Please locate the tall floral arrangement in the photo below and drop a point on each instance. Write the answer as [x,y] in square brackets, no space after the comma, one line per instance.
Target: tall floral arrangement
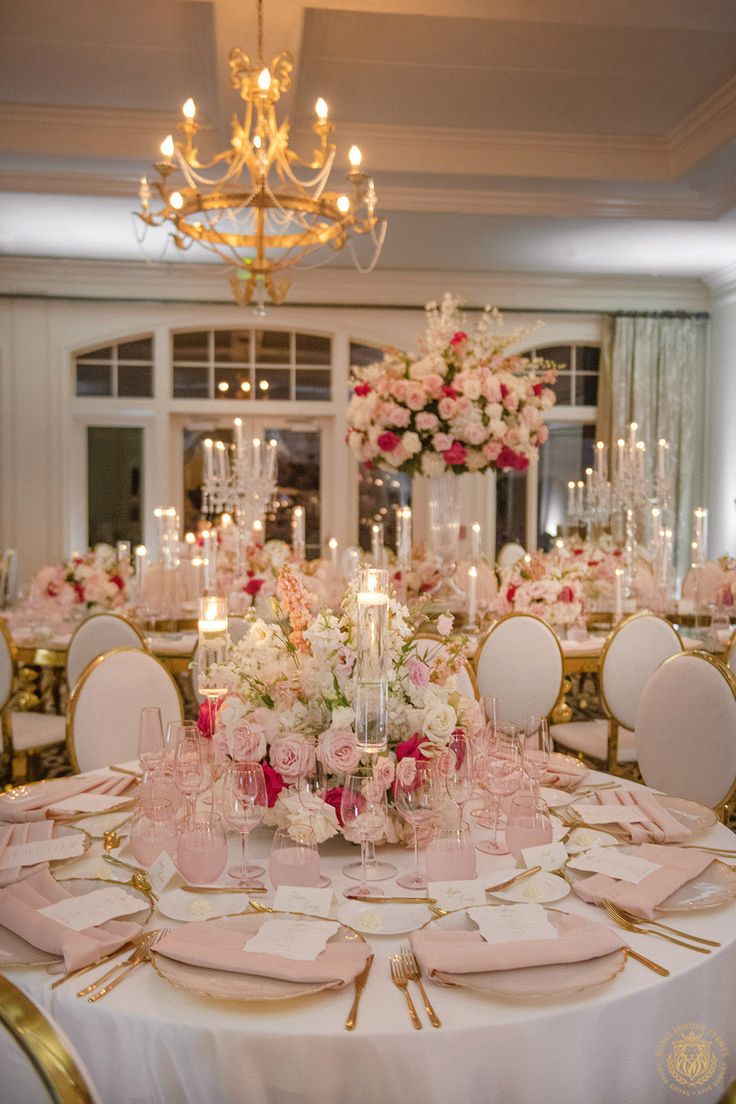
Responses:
[94,580]
[462,404]
[291,696]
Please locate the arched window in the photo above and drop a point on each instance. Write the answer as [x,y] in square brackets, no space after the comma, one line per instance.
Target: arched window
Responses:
[121,370]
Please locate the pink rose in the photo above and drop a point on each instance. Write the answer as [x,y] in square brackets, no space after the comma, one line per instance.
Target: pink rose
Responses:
[447,408]
[476,434]
[416,398]
[426,422]
[433,385]
[492,450]
[441,442]
[388,441]
[566,595]
[383,771]
[338,750]
[292,756]
[418,672]
[456,455]
[399,389]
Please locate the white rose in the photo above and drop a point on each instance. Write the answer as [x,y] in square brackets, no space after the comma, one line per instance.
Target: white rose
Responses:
[432,464]
[439,721]
[342,717]
[411,443]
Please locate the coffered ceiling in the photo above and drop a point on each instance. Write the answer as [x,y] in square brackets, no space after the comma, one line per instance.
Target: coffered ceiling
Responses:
[553,135]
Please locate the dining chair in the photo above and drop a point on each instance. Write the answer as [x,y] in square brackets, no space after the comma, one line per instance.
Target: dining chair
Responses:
[25,732]
[105,706]
[519,662]
[686,730]
[428,646]
[38,1062]
[631,654]
[510,554]
[99,633]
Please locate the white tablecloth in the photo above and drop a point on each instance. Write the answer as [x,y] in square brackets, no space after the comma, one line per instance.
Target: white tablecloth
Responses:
[147,1043]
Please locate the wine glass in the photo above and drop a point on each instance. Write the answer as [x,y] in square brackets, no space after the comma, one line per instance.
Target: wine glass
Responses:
[456,766]
[202,852]
[311,788]
[191,772]
[363,810]
[294,859]
[415,796]
[244,803]
[528,824]
[153,829]
[151,739]
[451,854]
[537,749]
[481,748]
[500,774]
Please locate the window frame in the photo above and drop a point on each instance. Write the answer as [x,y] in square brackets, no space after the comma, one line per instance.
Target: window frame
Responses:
[113,362]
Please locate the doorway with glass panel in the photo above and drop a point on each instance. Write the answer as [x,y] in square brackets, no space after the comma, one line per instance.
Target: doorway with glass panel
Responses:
[302,459]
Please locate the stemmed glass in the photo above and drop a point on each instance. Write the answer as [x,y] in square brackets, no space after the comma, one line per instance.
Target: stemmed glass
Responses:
[500,774]
[456,768]
[364,812]
[151,740]
[244,803]
[537,749]
[415,796]
[191,773]
[482,746]
[311,788]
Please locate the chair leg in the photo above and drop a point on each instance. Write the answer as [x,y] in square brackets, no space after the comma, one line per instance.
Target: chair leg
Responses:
[612,759]
[19,770]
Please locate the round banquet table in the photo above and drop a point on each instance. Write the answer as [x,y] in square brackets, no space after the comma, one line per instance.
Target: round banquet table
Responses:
[148,1043]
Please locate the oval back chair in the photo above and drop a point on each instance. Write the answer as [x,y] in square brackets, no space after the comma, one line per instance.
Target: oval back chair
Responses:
[519,662]
[95,635]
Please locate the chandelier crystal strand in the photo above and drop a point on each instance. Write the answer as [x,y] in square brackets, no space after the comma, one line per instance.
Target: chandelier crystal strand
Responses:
[259,217]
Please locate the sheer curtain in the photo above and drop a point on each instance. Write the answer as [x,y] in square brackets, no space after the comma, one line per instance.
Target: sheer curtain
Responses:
[653,373]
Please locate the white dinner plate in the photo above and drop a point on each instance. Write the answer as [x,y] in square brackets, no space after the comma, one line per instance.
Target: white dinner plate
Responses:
[177,904]
[582,839]
[691,814]
[541,889]
[382,919]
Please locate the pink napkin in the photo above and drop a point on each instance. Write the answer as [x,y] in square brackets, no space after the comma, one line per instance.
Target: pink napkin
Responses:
[32,802]
[19,904]
[564,772]
[14,834]
[219,947]
[677,867]
[657,826]
[466,952]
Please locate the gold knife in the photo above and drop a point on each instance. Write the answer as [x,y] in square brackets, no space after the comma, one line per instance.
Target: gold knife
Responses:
[516,878]
[360,982]
[394,900]
[223,889]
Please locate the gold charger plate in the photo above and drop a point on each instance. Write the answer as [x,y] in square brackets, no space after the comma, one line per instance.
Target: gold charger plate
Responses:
[691,814]
[230,986]
[531,982]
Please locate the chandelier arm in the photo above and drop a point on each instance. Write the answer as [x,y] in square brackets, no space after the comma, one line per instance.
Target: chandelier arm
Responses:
[317,181]
[378,243]
[193,178]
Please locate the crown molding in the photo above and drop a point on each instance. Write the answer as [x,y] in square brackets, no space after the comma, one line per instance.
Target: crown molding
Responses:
[708,126]
[37,277]
[722,284]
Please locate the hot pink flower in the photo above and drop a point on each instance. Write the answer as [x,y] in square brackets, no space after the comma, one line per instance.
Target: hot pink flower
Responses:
[274,784]
[566,595]
[456,455]
[253,586]
[458,338]
[362,389]
[333,797]
[388,441]
[411,748]
[207,717]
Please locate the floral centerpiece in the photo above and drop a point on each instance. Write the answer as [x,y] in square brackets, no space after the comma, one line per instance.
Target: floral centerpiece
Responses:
[550,585]
[597,562]
[250,582]
[92,581]
[462,404]
[290,700]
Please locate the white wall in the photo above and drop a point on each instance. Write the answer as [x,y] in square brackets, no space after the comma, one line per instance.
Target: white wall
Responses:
[50,309]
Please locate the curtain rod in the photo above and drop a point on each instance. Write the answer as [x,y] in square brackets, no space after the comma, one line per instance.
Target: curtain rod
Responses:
[700,315]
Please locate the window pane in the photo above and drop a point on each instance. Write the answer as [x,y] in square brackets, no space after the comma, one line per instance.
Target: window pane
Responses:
[114,482]
[313,384]
[277,380]
[379,494]
[190,346]
[135,380]
[233,383]
[311,349]
[587,358]
[563,389]
[93,379]
[586,390]
[510,508]
[190,383]
[97,354]
[142,349]
[360,354]
[232,346]
[272,347]
[560,354]
[567,453]
[299,485]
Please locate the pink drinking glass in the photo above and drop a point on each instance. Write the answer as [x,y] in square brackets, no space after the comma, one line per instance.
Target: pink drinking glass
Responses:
[202,852]
[500,774]
[294,858]
[527,825]
[451,854]
[153,829]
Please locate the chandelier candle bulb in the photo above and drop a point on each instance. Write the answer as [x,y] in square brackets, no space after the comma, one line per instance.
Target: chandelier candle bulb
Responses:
[355,157]
[371,664]
[257,531]
[321,110]
[189,109]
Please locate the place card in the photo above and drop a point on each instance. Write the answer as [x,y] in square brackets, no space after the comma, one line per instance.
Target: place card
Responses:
[616,864]
[160,872]
[550,856]
[303,940]
[315,902]
[610,814]
[513,923]
[92,909]
[88,803]
[457,894]
[27,854]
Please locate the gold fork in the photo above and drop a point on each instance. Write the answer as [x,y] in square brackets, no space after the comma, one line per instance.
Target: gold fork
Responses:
[658,923]
[145,956]
[413,973]
[400,980]
[622,922]
[139,950]
[130,945]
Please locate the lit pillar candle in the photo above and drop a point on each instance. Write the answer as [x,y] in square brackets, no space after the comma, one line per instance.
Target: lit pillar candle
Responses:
[123,551]
[298,533]
[472,595]
[618,596]
[371,663]
[213,641]
[403,536]
[700,515]
[257,532]
[377,543]
[632,435]
[238,424]
[570,499]
[475,540]
[662,449]
[141,559]
[333,546]
[641,451]
[197,565]
[580,502]
[271,454]
[600,459]
[208,446]
[257,457]
[620,450]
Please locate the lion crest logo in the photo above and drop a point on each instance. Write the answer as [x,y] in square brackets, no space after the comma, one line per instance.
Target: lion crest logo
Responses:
[692,1057]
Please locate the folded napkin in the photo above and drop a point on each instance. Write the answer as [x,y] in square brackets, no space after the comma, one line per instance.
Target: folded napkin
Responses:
[33,802]
[564,772]
[14,834]
[656,824]
[220,947]
[677,868]
[466,952]
[19,905]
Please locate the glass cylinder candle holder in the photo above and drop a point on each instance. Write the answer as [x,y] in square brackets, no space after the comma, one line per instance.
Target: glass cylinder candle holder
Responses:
[403,536]
[371,664]
[213,642]
[298,533]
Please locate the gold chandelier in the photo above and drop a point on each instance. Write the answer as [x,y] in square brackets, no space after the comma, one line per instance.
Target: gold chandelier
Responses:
[258,216]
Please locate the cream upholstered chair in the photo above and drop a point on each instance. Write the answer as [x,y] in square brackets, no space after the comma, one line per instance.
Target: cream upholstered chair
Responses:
[95,635]
[431,647]
[686,729]
[25,732]
[39,1064]
[632,652]
[519,662]
[105,706]
[510,554]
